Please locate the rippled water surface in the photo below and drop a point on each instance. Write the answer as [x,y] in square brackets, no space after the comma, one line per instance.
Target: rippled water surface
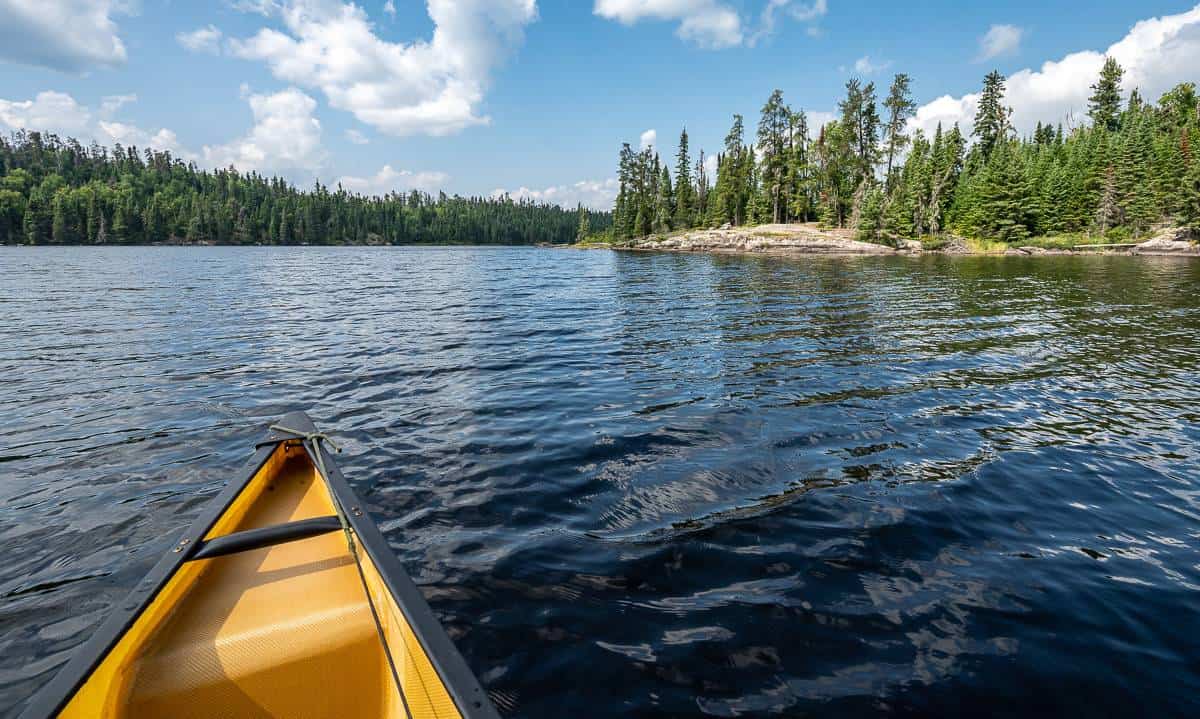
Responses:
[650,485]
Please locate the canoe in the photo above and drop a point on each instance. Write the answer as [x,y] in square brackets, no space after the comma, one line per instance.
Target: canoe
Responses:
[281,600]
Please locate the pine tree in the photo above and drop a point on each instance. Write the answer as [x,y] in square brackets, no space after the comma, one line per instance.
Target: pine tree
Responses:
[991,116]
[860,119]
[585,227]
[773,162]
[36,224]
[1191,196]
[1004,195]
[737,185]
[702,189]
[1104,106]
[901,107]
[685,193]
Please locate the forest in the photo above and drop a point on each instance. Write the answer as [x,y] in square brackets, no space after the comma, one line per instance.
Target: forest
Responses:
[55,191]
[1126,169]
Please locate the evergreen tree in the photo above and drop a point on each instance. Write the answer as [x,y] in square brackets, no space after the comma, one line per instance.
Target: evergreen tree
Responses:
[900,107]
[685,193]
[991,116]
[663,205]
[860,120]
[773,125]
[585,227]
[1104,106]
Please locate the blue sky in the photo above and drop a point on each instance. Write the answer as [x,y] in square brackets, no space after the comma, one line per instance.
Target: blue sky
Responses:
[526,96]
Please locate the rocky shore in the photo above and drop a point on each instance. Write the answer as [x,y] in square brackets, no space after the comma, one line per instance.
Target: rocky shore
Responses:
[808,239]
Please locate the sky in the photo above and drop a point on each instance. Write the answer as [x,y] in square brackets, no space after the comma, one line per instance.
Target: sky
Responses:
[535,97]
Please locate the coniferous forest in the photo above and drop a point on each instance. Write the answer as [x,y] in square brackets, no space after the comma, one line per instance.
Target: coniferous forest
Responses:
[1129,166]
[55,191]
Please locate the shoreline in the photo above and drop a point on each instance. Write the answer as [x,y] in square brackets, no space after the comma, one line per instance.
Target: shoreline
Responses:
[808,239]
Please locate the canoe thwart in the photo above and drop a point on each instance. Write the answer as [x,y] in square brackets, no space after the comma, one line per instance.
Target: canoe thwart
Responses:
[266,537]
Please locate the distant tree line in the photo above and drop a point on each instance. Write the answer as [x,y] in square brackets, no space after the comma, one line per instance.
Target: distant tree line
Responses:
[1131,167]
[55,191]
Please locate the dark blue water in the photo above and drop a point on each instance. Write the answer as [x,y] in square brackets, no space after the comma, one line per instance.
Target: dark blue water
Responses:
[649,485]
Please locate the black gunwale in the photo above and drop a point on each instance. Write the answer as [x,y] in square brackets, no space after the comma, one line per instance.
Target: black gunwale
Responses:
[470,699]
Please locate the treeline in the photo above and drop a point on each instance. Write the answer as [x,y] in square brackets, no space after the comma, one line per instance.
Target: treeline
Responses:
[1131,167]
[55,191]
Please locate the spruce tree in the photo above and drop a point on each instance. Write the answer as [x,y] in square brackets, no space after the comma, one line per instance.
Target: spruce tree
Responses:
[585,228]
[1104,106]
[685,193]
[773,161]
[991,116]
[663,206]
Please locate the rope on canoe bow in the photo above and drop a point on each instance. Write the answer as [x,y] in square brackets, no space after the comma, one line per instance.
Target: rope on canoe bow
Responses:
[314,440]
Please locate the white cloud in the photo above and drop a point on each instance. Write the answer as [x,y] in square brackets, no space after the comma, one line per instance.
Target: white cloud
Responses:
[433,87]
[999,40]
[710,168]
[204,39]
[708,23]
[389,180]
[109,104]
[66,35]
[50,111]
[1157,54]
[357,137]
[818,119]
[593,194]
[865,66]
[108,133]
[285,138]
[61,114]
[796,10]
[648,139]
[711,24]
[258,7]
[389,7]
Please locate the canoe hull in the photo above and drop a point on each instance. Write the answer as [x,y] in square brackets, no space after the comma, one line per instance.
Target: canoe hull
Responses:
[326,625]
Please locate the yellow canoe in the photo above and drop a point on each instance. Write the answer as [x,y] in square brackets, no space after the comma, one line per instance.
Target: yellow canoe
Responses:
[281,600]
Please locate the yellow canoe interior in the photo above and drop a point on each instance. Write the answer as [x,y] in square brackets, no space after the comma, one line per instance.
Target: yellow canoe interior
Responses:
[281,631]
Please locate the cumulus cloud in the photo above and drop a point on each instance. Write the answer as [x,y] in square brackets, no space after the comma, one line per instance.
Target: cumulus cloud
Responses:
[66,35]
[433,87]
[59,113]
[357,137]
[109,133]
[708,23]
[285,138]
[389,7]
[389,180]
[592,194]
[1157,54]
[50,111]
[204,39]
[648,139]
[999,40]
[866,66]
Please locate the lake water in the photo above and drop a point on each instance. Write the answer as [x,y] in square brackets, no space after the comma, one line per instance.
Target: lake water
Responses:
[651,485]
